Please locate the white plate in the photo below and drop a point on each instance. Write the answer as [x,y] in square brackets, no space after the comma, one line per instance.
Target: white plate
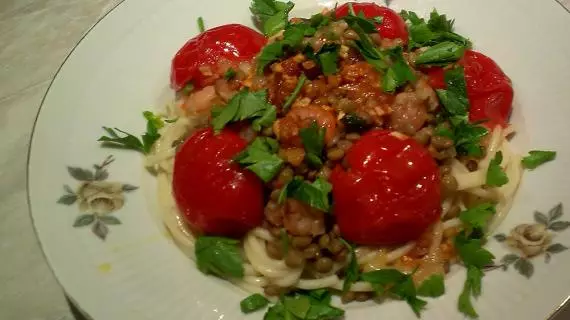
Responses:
[122,67]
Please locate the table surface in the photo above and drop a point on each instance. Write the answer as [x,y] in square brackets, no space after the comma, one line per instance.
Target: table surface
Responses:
[36,37]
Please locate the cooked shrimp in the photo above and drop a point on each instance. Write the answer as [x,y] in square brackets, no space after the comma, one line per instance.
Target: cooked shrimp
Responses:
[409,113]
[287,128]
[201,101]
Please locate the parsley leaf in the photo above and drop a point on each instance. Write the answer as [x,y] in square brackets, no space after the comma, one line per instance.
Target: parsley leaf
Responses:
[441,54]
[537,157]
[313,139]
[245,105]
[478,216]
[219,256]
[354,123]
[292,39]
[496,177]
[253,303]
[398,73]
[273,15]
[352,270]
[229,74]
[433,286]
[328,58]
[291,98]
[307,305]
[475,258]
[396,283]
[201,26]
[471,251]
[466,136]
[315,194]
[436,30]
[129,141]
[261,158]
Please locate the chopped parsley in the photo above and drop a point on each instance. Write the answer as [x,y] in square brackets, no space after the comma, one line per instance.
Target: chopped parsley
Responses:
[436,30]
[466,135]
[272,15]
[478,216]
[433,286]
[201,26]
[537,157]
[129,141]
[397,284]
[305,305]
[219,256]
[292,39]
[291,98]
[496,177]
[313,139]
[441,54]
[229,74]
[315,194]
[399,73]
[352,270]
[253,303]
[245,105]
[261,158]
[328,58]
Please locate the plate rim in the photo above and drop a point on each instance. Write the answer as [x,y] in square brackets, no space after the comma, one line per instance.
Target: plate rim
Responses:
[564,305]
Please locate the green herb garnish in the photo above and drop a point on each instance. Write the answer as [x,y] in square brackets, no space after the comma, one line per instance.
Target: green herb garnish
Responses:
[201,26]
[352,270]
[315,194]
[253,303]
[219,256]
[436,30]
[129,141]
[441,54]
[229,74]
[306,305]
[433,286]
[272,15]
[496,177]
[261,158]
[396,283]
[291,98]
[313,139]
[399,73]
[328,58]
[245,105]
[478,216]
[537,157]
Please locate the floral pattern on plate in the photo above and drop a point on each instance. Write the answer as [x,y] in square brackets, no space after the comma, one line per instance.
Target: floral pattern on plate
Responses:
[527,241]
[96,197]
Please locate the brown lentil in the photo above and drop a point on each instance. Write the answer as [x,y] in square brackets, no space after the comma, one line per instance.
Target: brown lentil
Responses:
[324,264]
[341,256]
[312,251]
[294,258]
[301,242]
[352,136]
[336,246]
[335,154]
[472,165]
[348,297]
[274,250]
[423,136]
[272,290]
[344,145]
[445,169]
[448,184]
[362,296]
[325,172]
[440,142]
[324,241]
[275,194]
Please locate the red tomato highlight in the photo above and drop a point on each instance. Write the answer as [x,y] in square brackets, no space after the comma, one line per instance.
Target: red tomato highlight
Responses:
[489,89]
[216,196]
[392,26]
[390,194]
[230,44]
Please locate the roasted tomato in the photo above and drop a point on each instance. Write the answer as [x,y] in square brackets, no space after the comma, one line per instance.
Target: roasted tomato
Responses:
[204,58]
[489,89]
[391,192]
[392,26]
[216,196]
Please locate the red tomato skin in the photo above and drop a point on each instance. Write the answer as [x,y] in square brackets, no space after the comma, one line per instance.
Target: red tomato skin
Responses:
[216,196]
[489,89]
[391,193]
[231,43]
[392,27]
